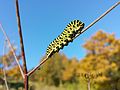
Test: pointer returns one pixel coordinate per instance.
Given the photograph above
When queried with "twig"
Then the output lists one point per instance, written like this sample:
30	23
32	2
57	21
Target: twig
88	84
4	72
21	45
100	17
12	49
42	62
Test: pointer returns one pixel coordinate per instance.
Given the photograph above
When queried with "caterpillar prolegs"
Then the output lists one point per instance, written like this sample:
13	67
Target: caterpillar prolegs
71	30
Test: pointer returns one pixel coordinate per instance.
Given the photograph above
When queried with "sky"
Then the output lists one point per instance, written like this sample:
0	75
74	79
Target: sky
43	20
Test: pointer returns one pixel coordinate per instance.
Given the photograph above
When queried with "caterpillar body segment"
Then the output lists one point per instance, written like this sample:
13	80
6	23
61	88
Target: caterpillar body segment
72	29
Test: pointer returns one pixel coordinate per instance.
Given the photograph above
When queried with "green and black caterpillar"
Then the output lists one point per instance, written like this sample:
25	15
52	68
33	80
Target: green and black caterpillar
72	29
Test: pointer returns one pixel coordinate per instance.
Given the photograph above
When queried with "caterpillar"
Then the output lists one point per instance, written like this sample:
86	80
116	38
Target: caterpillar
72	29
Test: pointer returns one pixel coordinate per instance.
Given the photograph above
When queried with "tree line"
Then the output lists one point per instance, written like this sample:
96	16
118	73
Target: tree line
100	66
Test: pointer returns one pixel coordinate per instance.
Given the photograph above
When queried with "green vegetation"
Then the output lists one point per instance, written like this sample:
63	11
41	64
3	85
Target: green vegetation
100	66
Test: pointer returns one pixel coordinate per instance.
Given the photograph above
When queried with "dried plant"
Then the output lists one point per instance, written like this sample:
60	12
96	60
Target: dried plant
25	74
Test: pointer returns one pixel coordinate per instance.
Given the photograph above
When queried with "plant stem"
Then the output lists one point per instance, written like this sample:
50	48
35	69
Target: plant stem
100	17
12	49
88	84
41	63
96	20
4	72
22	46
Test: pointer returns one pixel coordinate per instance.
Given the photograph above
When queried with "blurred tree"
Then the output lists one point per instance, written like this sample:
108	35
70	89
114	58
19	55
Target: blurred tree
103	55
57	70
51	72
69	72
12	70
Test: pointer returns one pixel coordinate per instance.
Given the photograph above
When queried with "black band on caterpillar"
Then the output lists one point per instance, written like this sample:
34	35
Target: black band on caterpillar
71	30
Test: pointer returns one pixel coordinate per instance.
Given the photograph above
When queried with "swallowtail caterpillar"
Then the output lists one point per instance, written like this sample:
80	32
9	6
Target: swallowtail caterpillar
72	29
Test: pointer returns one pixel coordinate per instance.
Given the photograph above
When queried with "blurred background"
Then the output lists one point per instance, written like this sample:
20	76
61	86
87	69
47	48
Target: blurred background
92	59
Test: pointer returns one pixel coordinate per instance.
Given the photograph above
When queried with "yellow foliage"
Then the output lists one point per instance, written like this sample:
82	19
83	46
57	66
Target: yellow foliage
103	52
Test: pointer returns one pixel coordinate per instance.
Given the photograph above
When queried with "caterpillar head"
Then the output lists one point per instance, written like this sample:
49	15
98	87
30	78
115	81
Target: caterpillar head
75	25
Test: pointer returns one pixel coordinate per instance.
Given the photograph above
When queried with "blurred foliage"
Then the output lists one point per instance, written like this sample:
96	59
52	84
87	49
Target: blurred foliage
57	71
8	63
101	66
103	55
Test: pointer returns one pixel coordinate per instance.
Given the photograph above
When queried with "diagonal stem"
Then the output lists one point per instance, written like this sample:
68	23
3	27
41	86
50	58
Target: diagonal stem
12	49
41	63
100	17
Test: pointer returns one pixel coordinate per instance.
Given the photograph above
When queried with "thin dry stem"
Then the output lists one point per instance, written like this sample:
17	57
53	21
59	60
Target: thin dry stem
88	84
20	35
12	49
21	45
41	63
100	17
4	72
